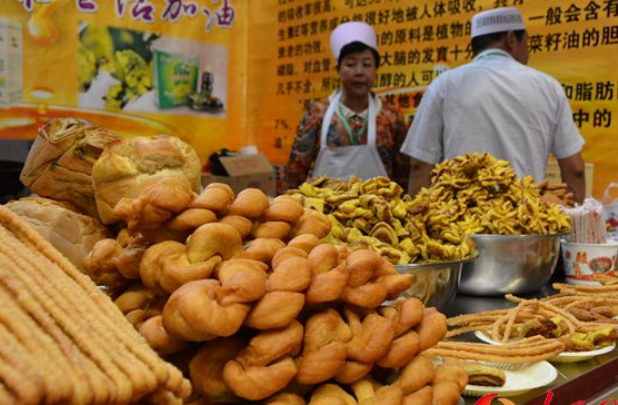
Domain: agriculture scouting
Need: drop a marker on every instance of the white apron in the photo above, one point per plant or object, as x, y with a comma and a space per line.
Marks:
342, 162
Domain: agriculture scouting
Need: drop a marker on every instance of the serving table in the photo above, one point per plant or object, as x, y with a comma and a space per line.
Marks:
592, 381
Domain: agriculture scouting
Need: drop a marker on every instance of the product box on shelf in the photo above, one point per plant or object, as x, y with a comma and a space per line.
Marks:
248, 171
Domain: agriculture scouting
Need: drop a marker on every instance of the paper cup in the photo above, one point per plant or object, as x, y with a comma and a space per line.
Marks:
583, 260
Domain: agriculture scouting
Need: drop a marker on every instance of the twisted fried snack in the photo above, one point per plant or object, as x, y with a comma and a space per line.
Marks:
243, 225
284, 208
113, 262
268, 313
263, 249
214, 239
166, 266
158, 338
242, 281
250, 203
371, 338
416, 374
311, 222
286, 398
216, 197
100, 355
324, 347
154, 207
287, 252
265, 367
193, 313
206, 368
305, 242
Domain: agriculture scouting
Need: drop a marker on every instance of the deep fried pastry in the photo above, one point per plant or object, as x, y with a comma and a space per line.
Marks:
371, 338
158, 338
445, 393
286, 252
271, 229
284, 208
269, 313
292, 274
216, 197
206, 368
243, 225
431, 329
328, 286
214, 239
192, 313
324, 347
423, 396
250, 203
256, 383
402, 351
305, 242
323, 258
263, 249
415, 375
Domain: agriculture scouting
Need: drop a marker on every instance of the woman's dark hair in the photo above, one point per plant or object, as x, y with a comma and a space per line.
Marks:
482, 42
356, 47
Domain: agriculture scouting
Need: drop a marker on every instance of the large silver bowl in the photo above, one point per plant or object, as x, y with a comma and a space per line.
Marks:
434, 283
510, 264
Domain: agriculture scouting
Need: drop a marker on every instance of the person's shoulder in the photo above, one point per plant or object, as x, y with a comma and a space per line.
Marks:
541, 78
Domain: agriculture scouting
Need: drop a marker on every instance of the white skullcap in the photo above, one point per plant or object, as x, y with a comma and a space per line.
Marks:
497, 20
350, 32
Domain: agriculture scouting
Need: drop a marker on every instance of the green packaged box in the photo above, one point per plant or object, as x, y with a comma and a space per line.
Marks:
175, 76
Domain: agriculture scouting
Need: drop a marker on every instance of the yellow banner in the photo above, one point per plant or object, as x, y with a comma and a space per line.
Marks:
291, 63
137, 67
231, 73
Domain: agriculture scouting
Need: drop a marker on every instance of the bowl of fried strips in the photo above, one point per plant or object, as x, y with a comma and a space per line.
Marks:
581, 321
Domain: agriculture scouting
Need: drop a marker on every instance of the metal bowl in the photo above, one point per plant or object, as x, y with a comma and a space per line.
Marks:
434, 283
510, 264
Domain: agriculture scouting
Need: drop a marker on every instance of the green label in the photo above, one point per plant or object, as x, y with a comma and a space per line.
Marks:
175, 77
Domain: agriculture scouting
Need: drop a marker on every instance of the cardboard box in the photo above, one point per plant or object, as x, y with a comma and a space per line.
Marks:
250, 171
553, 175
11, 51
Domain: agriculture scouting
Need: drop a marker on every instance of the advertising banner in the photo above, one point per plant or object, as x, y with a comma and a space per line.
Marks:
137, 67
232, 73
574, 41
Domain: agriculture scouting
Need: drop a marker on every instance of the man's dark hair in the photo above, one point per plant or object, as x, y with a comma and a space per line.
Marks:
355, 47
482, 42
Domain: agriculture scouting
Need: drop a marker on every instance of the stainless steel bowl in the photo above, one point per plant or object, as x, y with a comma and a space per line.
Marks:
510, 264
434, 283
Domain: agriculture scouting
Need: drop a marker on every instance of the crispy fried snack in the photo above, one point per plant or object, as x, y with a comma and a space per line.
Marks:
56, 321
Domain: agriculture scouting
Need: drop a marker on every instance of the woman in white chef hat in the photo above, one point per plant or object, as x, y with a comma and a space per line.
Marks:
352, 132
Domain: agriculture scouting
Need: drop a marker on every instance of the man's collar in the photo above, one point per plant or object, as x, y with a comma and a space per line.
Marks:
493, 52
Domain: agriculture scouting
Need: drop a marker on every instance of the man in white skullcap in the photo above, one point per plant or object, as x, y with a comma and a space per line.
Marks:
352, 132
496, 104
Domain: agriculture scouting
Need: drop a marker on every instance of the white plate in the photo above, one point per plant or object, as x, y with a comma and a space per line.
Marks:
518, 381
564, 357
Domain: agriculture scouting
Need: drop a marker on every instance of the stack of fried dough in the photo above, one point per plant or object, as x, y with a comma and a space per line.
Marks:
241, 291
62, 341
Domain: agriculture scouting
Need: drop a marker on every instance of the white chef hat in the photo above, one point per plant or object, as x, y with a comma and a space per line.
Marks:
497, 20
355, 31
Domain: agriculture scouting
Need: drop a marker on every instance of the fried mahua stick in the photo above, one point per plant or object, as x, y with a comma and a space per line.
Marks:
119, 366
